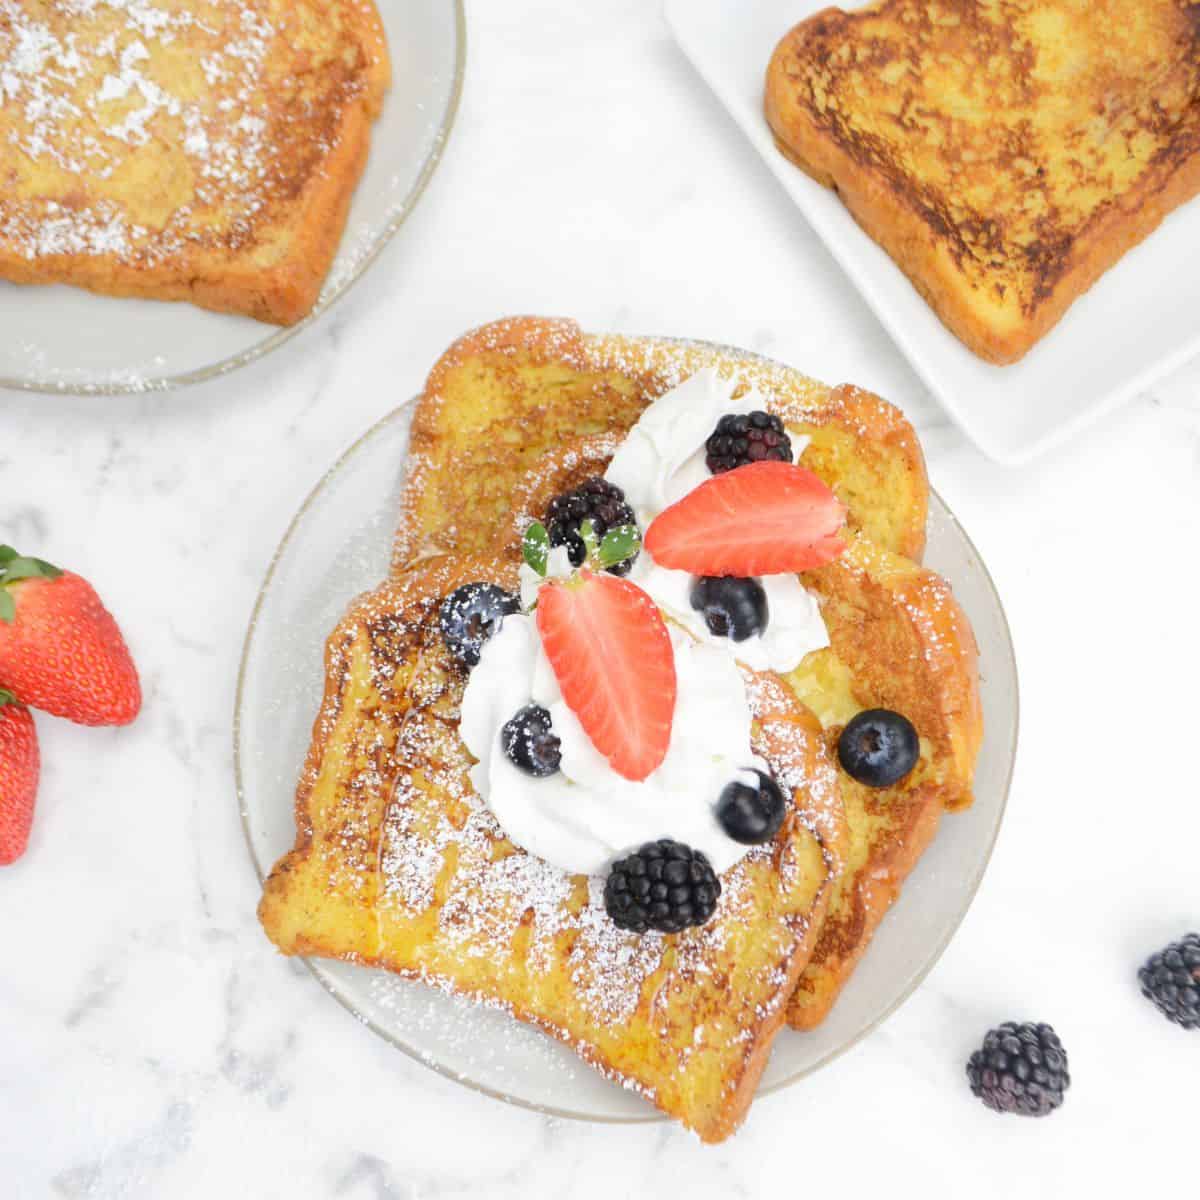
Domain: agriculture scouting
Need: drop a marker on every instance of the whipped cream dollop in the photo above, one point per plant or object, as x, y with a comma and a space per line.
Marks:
585, 815
660, 461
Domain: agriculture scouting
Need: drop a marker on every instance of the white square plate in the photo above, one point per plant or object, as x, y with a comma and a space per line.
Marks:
1139, 321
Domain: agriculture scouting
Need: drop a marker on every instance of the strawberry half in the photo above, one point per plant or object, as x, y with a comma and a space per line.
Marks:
612, 656
766, 518
20, 764
60, 649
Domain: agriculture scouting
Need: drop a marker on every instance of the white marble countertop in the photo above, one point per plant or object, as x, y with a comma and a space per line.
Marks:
153, 1043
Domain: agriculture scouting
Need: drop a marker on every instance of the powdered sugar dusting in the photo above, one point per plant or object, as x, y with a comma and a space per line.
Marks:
451, 890
140, 129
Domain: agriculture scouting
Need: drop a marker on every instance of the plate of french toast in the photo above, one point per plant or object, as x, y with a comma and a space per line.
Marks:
1010, 186
624, 724
187, 186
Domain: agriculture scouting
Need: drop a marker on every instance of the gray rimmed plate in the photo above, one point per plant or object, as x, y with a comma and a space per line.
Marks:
337, 546
63, 339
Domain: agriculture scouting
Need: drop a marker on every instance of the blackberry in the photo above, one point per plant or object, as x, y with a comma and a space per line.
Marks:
878, 747
732, 607
471, 614
1021, 1069
742, 438
530, 743
597, 500
665, 886
1171, 978
751, 813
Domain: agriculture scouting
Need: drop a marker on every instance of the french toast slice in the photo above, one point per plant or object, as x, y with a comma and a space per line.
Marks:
898, 640
506, 395
204, 152
1004, 154
398, 864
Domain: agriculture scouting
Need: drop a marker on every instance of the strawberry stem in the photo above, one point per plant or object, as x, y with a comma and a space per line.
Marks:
14, 567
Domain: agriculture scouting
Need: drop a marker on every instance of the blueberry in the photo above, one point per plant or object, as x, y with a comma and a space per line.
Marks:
879, 747
752, 813
530, 743
732, 607
471, 614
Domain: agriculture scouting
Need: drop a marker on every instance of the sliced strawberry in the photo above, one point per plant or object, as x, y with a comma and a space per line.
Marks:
612, 657
766, 518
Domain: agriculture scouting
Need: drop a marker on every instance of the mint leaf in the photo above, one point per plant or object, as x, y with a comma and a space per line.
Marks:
591, 543
619, 544
535, 547
8, 610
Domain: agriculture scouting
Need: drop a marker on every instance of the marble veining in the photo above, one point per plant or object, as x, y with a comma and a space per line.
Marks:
153, 1043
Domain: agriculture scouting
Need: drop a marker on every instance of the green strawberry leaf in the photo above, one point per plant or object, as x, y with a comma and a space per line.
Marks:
619, 544
535, 547
7, 554
7, 697
28, 568
8, 610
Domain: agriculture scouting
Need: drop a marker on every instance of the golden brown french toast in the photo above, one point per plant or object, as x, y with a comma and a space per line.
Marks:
204, 152
505, 395
399, 864
1005, 153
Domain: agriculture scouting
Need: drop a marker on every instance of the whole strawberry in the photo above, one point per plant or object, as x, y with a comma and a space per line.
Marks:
60, 649
20, 764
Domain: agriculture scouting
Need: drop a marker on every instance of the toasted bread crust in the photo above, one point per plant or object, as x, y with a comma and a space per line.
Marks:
1000, 215
546, 382
385, 762
240, 216
859, 906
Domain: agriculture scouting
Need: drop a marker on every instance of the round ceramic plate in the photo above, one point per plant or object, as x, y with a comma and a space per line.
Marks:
63, 339
338, 546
